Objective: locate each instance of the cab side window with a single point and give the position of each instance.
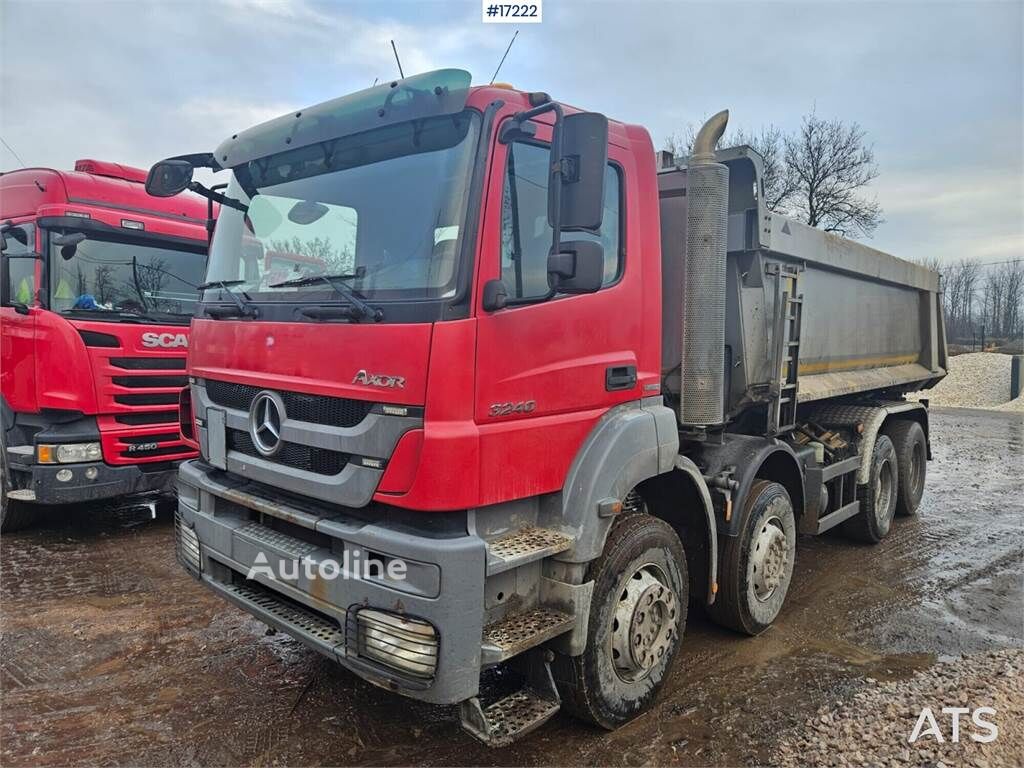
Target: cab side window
(525, 234)
(20, 273)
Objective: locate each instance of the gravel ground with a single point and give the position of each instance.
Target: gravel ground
(975, 380)
(874, 726)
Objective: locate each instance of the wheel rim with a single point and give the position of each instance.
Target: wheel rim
(883, 492)
(769, 557)
(643, 623)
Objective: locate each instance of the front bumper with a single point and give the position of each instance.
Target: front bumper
(110, 481)
(269, 554)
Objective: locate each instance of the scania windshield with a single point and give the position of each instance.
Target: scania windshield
(383, 211)
(124, 278)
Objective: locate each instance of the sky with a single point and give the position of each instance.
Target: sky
(937, 86)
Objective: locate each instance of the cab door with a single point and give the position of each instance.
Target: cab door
(547, 371)
(18, 309)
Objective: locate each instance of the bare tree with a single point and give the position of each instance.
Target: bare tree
(833, 164)
(780, 184)
(320, 249)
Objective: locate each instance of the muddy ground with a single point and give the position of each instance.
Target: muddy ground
(111, 654)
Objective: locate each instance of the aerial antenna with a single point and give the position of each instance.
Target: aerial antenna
(16, 155)
(397, 60)
(503, 57)
(375, 81)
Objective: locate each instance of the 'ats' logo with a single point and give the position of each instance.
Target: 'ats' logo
(165, 340)
(379, 380)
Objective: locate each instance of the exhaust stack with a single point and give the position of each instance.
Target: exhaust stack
(702, 390)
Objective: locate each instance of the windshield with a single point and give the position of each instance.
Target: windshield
(384, 209)
(134, 276)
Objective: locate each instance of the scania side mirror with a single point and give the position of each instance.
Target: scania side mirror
(7, 229)
(68, 244)
(495, 295)
(579, 202)
(169, 177)
(578, 267)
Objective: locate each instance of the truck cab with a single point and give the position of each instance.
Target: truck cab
(97, 290)
(554, 385)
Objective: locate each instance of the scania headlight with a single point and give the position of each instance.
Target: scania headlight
(408, 645)
(68, 453)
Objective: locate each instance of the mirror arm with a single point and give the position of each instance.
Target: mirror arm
(216, 197)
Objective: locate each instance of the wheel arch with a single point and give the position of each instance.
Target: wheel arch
(681, 498)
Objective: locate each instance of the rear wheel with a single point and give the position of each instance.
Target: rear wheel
(878, 497)
(637, 617)
(911, 464)
(757, 565)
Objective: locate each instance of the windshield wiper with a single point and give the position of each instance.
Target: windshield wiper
(225, 285)
(360, 308)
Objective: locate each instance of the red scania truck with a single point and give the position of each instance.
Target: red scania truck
(98, 286)
(569, 389)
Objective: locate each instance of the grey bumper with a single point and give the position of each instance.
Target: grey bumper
(110, 482)
(240, 525)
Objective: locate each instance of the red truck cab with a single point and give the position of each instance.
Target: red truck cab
(98, 287)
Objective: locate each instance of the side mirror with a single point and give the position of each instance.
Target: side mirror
(68, 244)
(584, 138)
(495, 295)
(169, 177)
(578, 267)
(7, 229)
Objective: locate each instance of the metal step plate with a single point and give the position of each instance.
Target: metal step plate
(524, 546)
(297, 621)
(509, 718)
(24, 494)
(515, 634)
(282, 543)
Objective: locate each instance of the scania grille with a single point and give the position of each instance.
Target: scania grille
(319, 460)
(318, 409)
(147, 417)
(149, 363)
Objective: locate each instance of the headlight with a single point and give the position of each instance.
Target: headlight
(68, 453)
(408, 645)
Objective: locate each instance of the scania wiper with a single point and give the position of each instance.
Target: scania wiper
(225, 285)
(361, 309)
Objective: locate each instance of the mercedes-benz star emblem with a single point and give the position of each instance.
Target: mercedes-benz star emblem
(265, 423)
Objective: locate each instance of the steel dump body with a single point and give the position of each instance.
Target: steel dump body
(870, 321)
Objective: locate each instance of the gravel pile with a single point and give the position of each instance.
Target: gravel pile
(974, 380)
(874, 727)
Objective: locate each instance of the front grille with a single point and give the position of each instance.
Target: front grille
(158, 398)
(140, 382)
(317, 409)
(147, 417)
(169, 450)
(318, 460)
(149, 363)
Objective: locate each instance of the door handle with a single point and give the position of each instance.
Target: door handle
(618, 377)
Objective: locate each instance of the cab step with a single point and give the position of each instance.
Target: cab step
(515, 715)
(22, 494)
(524, 546)
(512, 635)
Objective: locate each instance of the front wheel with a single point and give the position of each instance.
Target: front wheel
(757, 564)
(14, 515)
(637, 618)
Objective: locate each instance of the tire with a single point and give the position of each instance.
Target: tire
(643, 564)
(911, 464)
(14, 515)
(878, 497)
(756, 566)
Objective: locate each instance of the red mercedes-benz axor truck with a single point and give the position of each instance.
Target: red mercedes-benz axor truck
(98, 285)
(545, 392)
